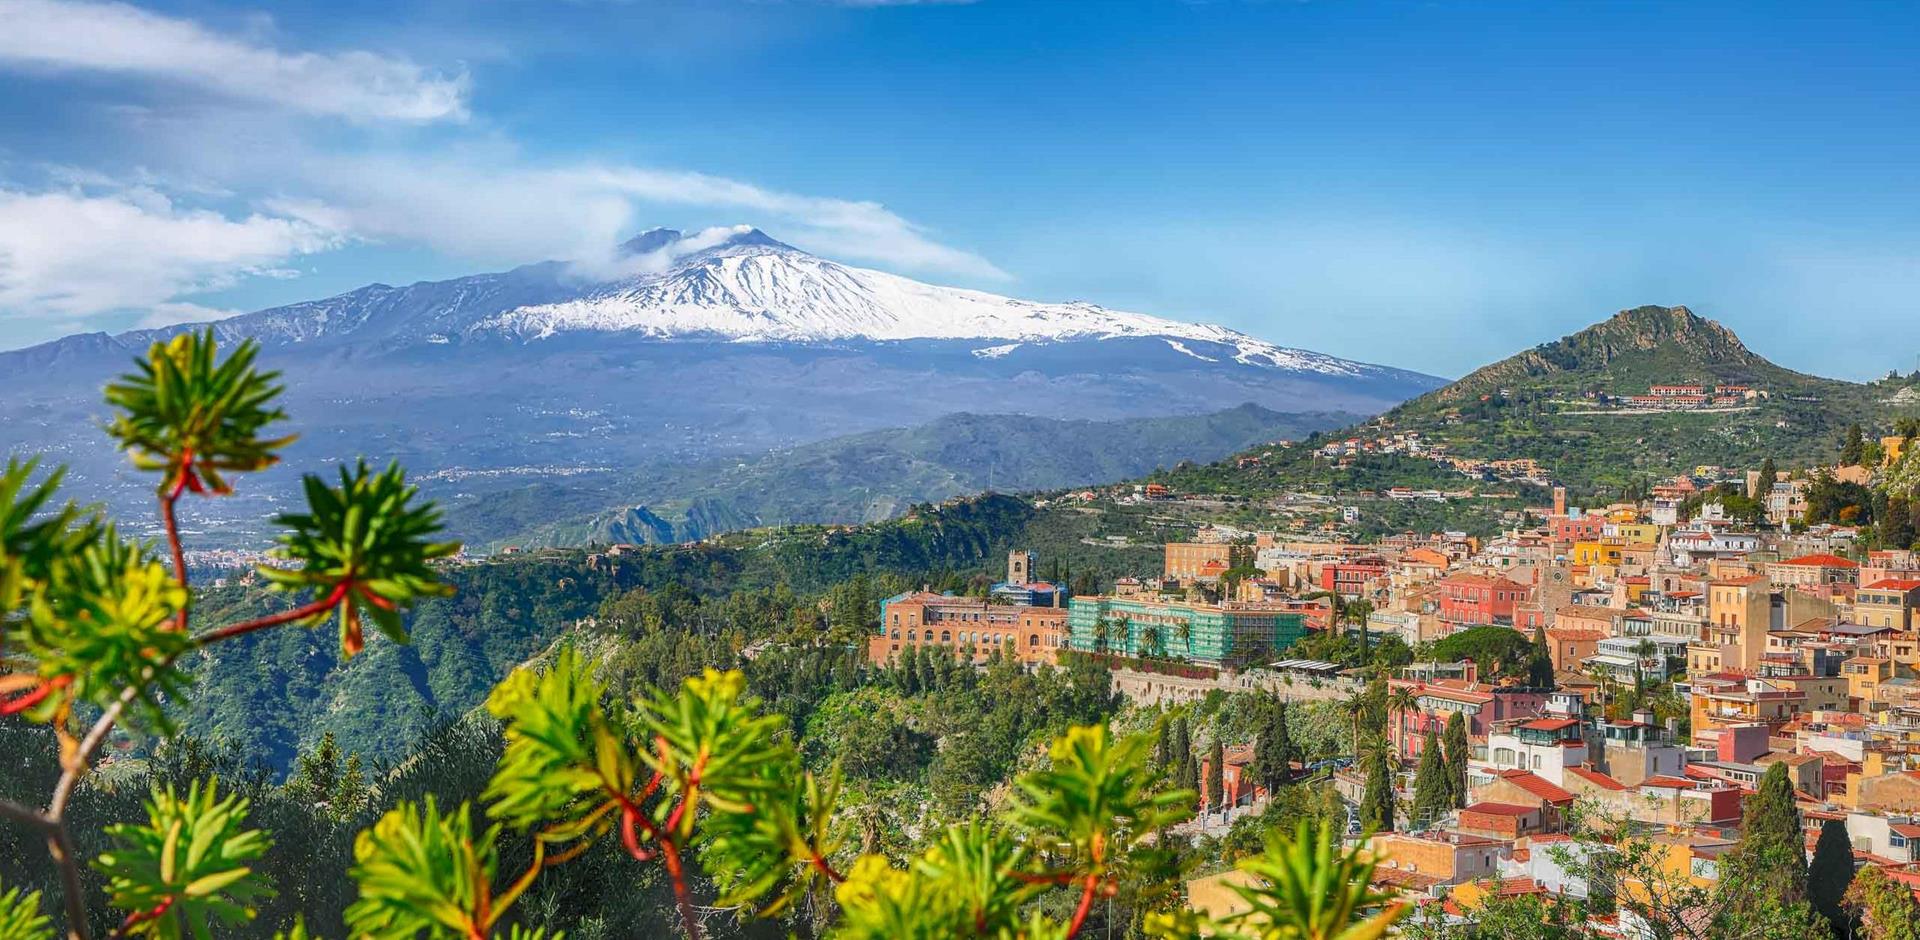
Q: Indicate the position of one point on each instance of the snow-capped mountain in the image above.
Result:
(750, 288)
(679, 347)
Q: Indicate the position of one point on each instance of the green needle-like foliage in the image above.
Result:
(362, 549)
(1309, 888)
(564, 767)
(186, 869)
(103, 623)
(193, 417)
(20, 917)
(972, 870)
(1097, 796)
(32, 535)
(423, 872)
(786, 842)
(712, 744)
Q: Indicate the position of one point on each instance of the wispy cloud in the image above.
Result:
(505, 212)
(72, 253)
(117, 38)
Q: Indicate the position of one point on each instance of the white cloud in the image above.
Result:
(177, 312)
(506, 212)
(73, 253)
(117, 38)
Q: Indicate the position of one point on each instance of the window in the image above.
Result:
(946, 637)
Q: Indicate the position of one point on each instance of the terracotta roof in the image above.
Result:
(1537, 785)
(1893, 584)
(1821, 560)
(1550, 724)
(1500, 809)
(1597, 778)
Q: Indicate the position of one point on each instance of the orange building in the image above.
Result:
(973, 627)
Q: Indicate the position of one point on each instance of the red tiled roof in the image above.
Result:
(1822, 560)
(1500, 809)
(1597, 778)
(1537, 785)
(1893, 584)
(1550, 724)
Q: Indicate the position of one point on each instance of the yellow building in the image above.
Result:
(1890, 450)
(1596, 553)
(1738, 612)
(1888, 602)
(1864, 675)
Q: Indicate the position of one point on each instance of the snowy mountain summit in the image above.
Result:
(740, 284)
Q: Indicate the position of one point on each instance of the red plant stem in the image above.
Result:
(140, 917)
(671, 856)
(1086, 903)
(821, 865)
(172, 521)
(301, 612)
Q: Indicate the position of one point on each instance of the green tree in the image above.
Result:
(1772, 849)
(1831, 873)
(1431, 795)
(1376, 801)
(1216, 775)
(1853, 446)
(1885, 908)
(1457, 754)
(1539, 661)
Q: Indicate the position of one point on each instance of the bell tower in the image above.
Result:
(1019, 567)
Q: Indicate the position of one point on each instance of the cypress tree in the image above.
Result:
(1831, 873)
(1216, 774)
(1376, 803)
(1772, 851)
(1456, 756)
(1430, 791)
(1283, 741)
(1540, 662)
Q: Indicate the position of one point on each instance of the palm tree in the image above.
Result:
(1150, 639)
(1401, 701)
(1355, 704)
(1642, 651)
(1183, 631)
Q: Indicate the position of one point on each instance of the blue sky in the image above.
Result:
(1429, 185)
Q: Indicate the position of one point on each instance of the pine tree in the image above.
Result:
(1430, 791)
(1216, 774)
(1376, 803)
(1830, 873)
(1456, 744)
(1772, 851)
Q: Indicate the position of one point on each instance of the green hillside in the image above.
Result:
(1564, 404)
(868, 477)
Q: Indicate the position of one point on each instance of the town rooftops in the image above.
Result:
(1500, 809)
(1821, 560)
(1550, 724)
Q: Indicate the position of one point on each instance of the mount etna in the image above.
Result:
(683, 350)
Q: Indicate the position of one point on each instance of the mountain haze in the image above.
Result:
(871, 476)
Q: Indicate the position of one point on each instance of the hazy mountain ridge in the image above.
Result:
(880, 474)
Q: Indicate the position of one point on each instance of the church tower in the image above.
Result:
(1019, 567)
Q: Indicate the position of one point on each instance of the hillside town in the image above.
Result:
(1651, 662)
